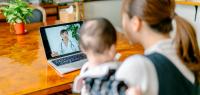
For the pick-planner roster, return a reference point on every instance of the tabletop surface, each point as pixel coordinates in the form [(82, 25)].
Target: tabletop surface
[(24, 68)]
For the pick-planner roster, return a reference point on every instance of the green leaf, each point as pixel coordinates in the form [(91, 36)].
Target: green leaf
[(24, 9), (11, 16), (16, 11), (18, 20)]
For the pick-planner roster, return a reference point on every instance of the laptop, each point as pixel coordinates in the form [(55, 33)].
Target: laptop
[(61, 44)]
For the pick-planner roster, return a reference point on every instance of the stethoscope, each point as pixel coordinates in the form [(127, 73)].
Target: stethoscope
[(61, 44)]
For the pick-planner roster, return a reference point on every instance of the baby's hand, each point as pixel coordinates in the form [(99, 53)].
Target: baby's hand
[(134, 91)]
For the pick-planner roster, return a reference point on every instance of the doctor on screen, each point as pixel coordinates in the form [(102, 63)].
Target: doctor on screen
[(67, 44)]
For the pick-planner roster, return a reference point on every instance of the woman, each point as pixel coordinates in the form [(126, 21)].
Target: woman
[(162, 70), (67, 45)]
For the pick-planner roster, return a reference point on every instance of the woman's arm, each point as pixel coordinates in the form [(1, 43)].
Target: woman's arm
[(138, 71)]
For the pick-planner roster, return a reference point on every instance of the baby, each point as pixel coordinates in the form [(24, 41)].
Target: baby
[(97, 40)]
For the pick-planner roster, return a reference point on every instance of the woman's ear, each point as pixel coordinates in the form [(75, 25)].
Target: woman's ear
[(136, 24)]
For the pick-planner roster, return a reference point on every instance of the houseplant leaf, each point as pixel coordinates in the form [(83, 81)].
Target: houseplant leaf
[(17, 11)]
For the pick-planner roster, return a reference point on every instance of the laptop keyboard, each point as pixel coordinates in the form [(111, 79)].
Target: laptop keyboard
[(69, 59)]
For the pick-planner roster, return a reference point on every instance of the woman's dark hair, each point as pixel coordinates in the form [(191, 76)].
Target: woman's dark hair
[(63, 31), (159, 15), (98, 36)]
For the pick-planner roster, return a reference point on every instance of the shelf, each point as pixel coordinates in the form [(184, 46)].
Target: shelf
[(188, 3), (48, 5)]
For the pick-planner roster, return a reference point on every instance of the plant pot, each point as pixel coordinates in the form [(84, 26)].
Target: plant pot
[(19, 28)]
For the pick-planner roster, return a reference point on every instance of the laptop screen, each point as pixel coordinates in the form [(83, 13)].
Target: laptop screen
[(60, 40)]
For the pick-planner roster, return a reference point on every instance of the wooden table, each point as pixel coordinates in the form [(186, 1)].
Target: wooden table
[(24, 68)]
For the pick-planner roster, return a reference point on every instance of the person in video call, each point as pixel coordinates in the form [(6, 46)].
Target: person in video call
[(67, 44)]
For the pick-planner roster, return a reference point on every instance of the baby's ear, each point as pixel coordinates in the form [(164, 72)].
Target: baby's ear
[(112, 50), (113, 47)]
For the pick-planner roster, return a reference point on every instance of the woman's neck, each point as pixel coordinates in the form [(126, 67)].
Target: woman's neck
[(150, 39)]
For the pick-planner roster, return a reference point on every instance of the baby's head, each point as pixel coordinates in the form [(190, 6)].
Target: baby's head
[(98, 38)]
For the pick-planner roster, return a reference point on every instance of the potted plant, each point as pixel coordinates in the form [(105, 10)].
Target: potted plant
[(16, 13)]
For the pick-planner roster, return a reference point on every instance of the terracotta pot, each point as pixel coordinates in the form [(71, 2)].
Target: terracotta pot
[(19, 28)]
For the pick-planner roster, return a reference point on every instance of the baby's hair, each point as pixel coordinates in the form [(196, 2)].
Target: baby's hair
[(97, 35)]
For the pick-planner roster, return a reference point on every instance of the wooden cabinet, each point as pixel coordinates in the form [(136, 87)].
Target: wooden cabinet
[(51, 9)]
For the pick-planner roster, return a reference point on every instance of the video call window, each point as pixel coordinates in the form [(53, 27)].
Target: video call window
[(63, 39)]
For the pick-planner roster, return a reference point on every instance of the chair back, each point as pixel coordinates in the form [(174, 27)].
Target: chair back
[(39, 15)]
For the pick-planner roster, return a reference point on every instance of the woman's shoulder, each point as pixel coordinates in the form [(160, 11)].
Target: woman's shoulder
[(137, 57), (135, 61), (139, 71), (134, 67)]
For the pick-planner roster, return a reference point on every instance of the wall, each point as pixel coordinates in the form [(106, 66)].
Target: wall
[(108, 9), (111, 10), (188, 12), (198, 24)]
